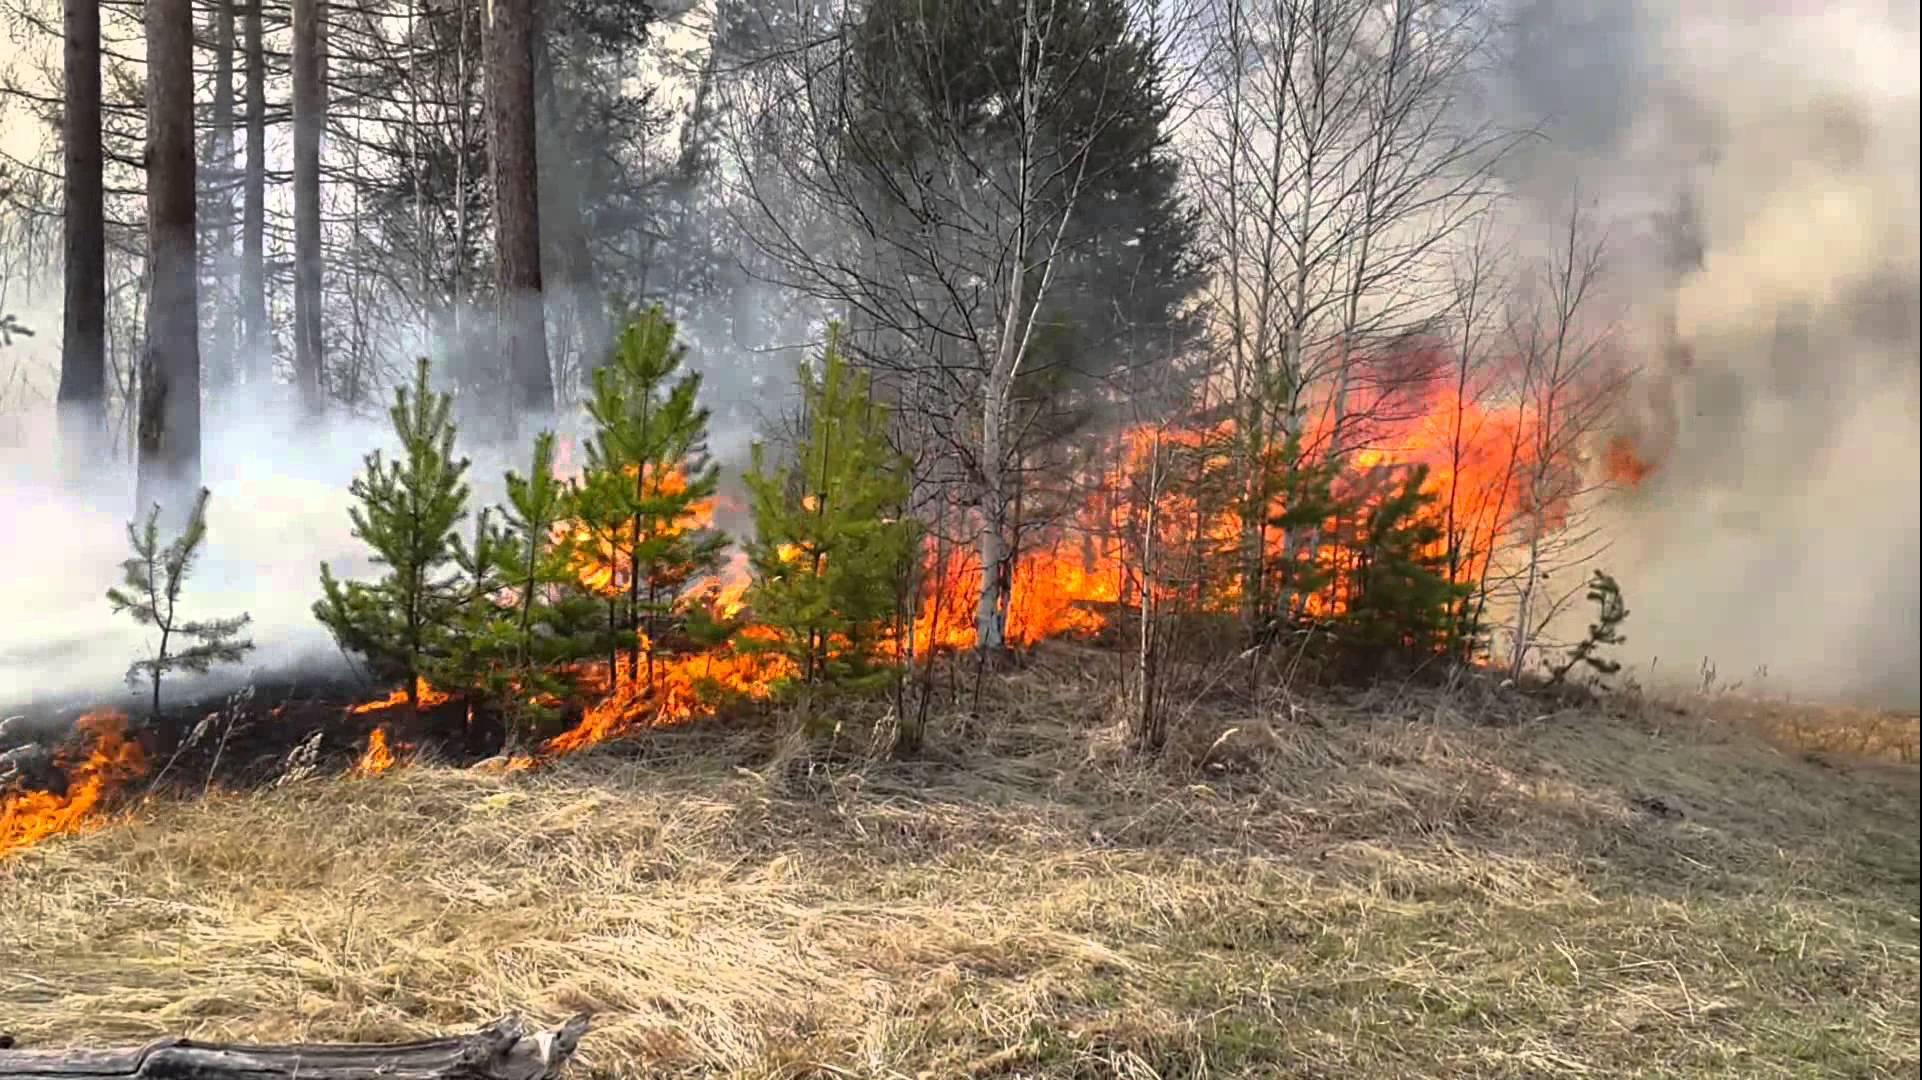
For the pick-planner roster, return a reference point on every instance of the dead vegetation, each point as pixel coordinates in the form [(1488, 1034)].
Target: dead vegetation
[(1403, 884)]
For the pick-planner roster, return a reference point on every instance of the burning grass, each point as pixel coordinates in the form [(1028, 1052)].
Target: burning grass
[(1384, 886)]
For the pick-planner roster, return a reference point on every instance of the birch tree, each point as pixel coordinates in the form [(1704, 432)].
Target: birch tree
[(990, 158), (1568, 380), (1335, 165)]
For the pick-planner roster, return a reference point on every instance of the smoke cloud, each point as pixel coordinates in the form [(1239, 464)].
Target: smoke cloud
[(1758, 163)]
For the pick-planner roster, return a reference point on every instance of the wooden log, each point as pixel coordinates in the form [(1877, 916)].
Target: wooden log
[(500, 1051)]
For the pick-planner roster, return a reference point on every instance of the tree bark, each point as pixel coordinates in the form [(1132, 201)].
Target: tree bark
[(220, 168), (519, 320), (256, 347), (83, 359), (310, 117), (169, 431), (500, 1051)]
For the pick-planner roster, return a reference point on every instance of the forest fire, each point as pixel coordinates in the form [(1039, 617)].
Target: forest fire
[(111, 760), (1164, 488)]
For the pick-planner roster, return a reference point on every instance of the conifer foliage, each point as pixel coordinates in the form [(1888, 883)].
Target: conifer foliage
[(641, 498), (409, 509), (832, 543), (149, 590), (1399, 598)]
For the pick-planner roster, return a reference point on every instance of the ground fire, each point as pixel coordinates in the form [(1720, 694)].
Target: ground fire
[(1072, 574), (104, 760)]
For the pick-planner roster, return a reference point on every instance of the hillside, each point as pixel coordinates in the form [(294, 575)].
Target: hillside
[(1397, 884)]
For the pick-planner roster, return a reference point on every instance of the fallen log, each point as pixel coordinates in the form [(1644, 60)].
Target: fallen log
[(500, 1051)]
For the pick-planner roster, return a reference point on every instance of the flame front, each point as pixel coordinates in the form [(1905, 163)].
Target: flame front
[(112, 760), (1083, 561)]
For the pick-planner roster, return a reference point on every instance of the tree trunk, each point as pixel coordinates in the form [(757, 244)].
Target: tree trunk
[(310, 117), (517, 234), (256, 341), (562, 209), (500, 1051), (221, 178), (169, 450), (83, 358)]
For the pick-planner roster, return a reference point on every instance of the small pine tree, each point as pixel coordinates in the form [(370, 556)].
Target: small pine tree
[(149, 590), (526, 613), (1398, 597), (1610, 613), (643, 494), (408, 511), (832, 542)]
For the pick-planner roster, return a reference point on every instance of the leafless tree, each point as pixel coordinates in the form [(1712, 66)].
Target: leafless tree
[(1568, 381), (1334, 166), (944, 238)]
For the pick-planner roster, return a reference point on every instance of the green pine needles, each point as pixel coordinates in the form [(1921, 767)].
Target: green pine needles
[(409, 509), (646, 492), (149, 590), (833, 543)]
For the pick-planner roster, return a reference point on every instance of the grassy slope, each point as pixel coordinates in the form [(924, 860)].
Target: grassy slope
[(1380, 888)]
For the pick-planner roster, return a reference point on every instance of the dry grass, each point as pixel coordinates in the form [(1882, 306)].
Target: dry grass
[(1363, 888)]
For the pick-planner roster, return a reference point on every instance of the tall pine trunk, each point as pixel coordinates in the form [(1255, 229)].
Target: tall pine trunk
[(169, 433), (221, 178), (83, 358), (562, 210), (310, 117), (520, 324), (256, 340)]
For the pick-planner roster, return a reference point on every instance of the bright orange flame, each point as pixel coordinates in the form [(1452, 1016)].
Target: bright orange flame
[(378, 757), (1072, 573), (674, 690), (112, 760), (430, 698)]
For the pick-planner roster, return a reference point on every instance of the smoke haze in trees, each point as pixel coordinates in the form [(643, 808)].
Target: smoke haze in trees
[(1757, 162)]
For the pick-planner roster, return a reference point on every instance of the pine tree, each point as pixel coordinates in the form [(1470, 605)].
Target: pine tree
[(408, 511), (1397, 593), (150, 591), (1610, 613), (646, 489), (525, 613), (831, 537)]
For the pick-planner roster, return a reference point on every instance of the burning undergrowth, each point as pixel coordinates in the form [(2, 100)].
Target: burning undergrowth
[(1134, 523)]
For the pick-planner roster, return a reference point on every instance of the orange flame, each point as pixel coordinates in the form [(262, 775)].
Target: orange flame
[(430, 698), (378, 757), (111, 761)]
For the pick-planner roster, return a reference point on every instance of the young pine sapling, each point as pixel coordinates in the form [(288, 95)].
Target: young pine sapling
[(149, 590), (1610, 612), (407, 514), (644, 493), (832, 538)]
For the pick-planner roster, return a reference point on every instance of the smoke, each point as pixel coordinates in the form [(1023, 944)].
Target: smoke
[(1757, 162)]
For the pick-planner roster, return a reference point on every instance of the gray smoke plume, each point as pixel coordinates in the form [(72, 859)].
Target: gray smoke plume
[(1758, 161)]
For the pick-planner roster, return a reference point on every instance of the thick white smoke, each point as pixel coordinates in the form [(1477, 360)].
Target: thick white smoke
[(1760, 160)]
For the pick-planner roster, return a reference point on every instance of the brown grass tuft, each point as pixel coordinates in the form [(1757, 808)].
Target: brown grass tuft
[(1390, 885)]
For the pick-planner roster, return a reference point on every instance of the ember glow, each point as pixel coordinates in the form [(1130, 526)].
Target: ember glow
[(110, 761)]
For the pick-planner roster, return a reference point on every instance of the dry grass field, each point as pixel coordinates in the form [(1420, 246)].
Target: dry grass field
[(1398, 884)]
